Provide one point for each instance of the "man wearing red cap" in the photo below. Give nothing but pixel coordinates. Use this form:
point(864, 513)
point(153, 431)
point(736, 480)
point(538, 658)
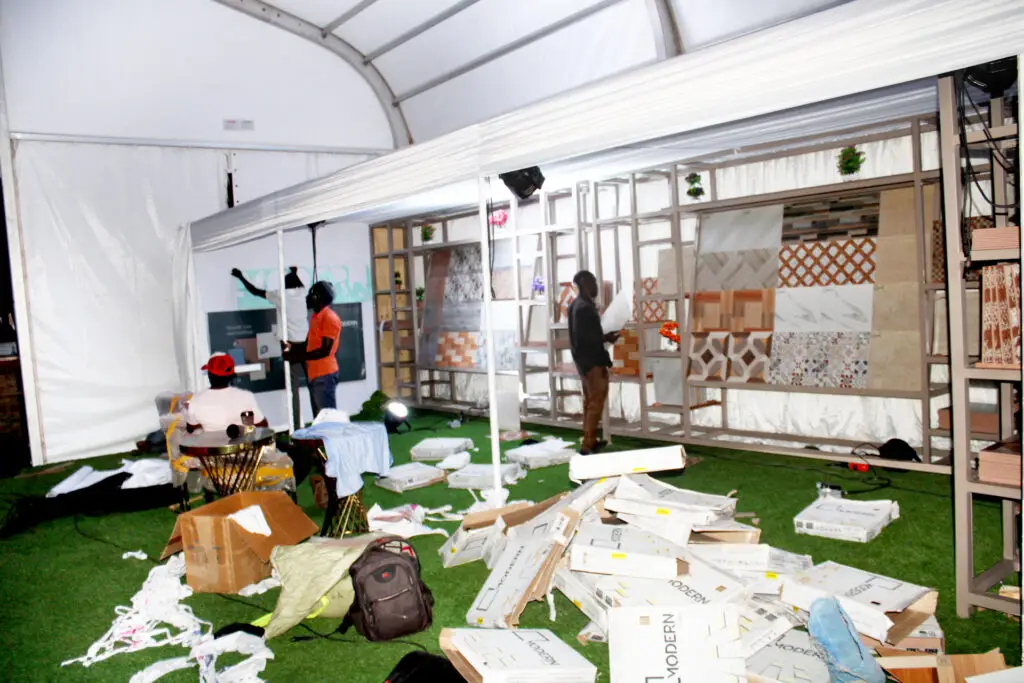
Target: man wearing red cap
point(222, 405)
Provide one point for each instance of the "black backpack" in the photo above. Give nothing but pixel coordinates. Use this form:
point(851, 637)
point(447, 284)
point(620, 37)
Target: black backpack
point(421, 667)
point(391, 600)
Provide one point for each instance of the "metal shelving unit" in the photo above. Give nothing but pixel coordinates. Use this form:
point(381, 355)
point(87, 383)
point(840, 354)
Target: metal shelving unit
point(586, 219)
point(974, 589)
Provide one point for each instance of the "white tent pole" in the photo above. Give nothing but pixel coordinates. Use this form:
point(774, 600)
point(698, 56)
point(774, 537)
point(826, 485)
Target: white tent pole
point(492, 373)
point(282, 329)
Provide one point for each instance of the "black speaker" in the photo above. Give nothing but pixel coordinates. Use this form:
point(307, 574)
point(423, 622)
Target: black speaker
point(898, 449)
point(523, 183)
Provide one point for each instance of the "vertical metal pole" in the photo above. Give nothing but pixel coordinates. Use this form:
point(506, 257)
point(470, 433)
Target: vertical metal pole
point(922, 277)
point(959, 383)
point(517, 298)
point(410, 276)
point(634, 229)
point(492, 376)
point(282, 329)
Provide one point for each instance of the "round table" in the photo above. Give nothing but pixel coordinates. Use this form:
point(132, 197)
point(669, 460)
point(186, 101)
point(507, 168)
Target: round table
point(230, 464)
point(343, 516)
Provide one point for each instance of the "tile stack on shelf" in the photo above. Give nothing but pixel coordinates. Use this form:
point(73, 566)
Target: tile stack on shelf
point(992, 137)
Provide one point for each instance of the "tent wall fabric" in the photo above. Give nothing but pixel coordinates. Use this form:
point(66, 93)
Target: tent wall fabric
point(855, 47)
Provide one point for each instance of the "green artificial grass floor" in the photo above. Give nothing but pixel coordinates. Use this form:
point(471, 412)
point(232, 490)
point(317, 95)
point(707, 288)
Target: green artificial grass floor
point(59, 588)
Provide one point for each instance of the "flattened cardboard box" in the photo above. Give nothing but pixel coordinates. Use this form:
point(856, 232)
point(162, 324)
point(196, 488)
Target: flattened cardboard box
point(927, 638)
point(470, 541)
point(792, 658)
point(627, 462)
point(675, 644)
point(751, 557)
point(520, 656)
point(701, 584)
point(881, 608)
point(846, 520)
point(221, 556)
point(580, 590)
point(626, 551)
point(644, 488)
point(725, 531)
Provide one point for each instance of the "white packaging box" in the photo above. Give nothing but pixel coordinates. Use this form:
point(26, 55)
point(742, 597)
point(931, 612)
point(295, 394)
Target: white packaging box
point(592, 633)
point(881, 608)
point(928, 638)
point(467, 545)
point(724, 531)
point(439, 448)
point(512, 583)
point(672, 529)
point(478, 476)
point(768, 584)
point(701, 584)
point(793, 658)
point(643, 487)
point(413, 475)
point(579, 589)
point(846, 520)
point(762, 622)
point(624, 551)
point(520, 656)
point(626, 462)
point(672, 643)
point(481, 534)
point(751, 557)
point(546, 453)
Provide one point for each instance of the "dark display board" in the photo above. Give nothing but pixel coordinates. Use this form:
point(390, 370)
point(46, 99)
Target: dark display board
point(236, 333)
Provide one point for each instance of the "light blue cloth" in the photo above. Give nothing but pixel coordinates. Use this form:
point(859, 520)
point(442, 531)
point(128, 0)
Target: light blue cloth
point(353, 448)
point(848, 660)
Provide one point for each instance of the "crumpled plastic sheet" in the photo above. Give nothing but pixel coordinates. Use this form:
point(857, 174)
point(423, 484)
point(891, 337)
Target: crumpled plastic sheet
point(205, 655)
point(407, 520)
point(155, 618)
point(135, 555)
point(260, 587)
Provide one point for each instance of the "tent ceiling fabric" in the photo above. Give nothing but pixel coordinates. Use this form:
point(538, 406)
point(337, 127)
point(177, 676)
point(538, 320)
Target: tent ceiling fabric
point(857, 47)
point(451, 63)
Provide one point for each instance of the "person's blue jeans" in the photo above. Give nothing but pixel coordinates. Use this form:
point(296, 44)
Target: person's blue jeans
point(322, 392)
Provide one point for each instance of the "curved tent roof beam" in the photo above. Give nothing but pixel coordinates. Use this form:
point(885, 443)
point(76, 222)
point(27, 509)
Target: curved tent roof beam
point(357, 60)
point(666, 30)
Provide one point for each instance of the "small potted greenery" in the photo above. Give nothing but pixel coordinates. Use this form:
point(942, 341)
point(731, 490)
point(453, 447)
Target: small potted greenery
point(398, 280)
point(849, 162)
point(419, 294)
point(427, 233)
point(696, 191)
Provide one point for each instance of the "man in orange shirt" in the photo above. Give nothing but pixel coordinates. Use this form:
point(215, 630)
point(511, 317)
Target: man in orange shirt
point(320, 349)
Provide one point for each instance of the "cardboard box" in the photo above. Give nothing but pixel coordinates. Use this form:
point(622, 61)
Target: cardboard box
point(846, 520)
point(626, 462)
point(750, 557)
point(794, 657)
point(480, 531)
point(666, 643)
point(762, 622)
point(928, 638)
point(546, 453)
point(881, 608)
point(223, 557)
point(700, 584)
point(725, 531)
point(580, 589)
point(624, 551)
point(439, 448)
point(412, 475)
point(670, 528)
point(520, 656)
point(645, 488)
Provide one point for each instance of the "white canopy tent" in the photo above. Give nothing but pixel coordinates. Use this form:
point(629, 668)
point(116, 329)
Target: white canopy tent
point(857, 47)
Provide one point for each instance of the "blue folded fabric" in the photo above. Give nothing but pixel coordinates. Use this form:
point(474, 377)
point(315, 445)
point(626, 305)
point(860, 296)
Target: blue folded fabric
point(353, 448)
point(848, 660)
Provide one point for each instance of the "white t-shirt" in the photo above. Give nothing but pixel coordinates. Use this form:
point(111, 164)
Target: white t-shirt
point(298, 317)
point(215, 409)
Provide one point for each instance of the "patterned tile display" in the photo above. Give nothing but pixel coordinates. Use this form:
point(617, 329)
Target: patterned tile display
point(457, 350)
point(653, 311)
point(750, 269)
point(938, 248)
point(742, 230)
point(835, 360)
point(1000, 315)
point(749, 354)
point(739, 311)
point(824, 309)
point(465, 275)
point(708, 355)
point(832, 262)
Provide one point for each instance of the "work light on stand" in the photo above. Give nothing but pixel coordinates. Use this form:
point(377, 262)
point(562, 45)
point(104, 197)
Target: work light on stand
point(396, 414)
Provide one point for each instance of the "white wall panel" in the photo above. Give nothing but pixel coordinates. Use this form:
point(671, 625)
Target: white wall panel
point(702, 23)
point(606, 43)
point(99, 227)
point(175, 69)
point(385, 20)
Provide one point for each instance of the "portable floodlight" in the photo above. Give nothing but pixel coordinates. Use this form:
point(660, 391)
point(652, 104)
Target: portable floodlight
point(396, 414)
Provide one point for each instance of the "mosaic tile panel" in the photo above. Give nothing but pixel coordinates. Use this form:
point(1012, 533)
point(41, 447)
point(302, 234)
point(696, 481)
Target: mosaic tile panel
point(749, 355)
point(824, 309)
point(1000, 315)
point(739, 311)
point(831, 262)
point(457, 350)
point(653, 311)
point(626, 354)
point(834, 360)
point(751, 269)
point(708, 355)
point(465, 275)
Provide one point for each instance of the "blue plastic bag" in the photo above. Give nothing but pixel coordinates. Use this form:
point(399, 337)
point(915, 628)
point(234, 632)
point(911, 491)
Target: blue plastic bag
point(848, 660)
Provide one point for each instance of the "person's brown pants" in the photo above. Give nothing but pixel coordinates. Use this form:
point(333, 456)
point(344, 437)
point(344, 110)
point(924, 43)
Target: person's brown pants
point(595, 393)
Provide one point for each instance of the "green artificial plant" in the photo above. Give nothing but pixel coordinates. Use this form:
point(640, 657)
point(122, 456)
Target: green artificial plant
point(420, 291)
point(696, 191)
point(427, 232)
point(850, 160)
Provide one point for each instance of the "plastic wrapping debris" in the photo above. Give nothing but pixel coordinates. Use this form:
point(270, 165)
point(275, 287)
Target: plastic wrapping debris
point(134, 555)
point(545, 453)
point(482, 476)
point(411, 476)
point(455, 462)
point(439, 448)
point(405, 520)
point(260, 587)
